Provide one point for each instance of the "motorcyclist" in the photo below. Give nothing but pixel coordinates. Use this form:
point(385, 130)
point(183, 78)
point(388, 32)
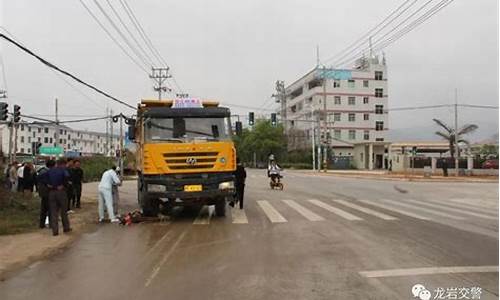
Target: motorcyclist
point(273, 171)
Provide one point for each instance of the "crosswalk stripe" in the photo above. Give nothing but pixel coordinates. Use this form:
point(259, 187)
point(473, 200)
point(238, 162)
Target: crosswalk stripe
point(426, 210)
point(480, 203)
point(467, 205)
point(399, 211)
point(204, 215)
point(335, 210)
point(311, 216)
point(239, 216)
point(452, 209)
point(366, 210)
point(272, 214)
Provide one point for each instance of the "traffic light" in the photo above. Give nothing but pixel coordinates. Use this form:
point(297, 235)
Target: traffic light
point(251, 119)
point(239, 128)
point(273, 119)
point(4, 110)
point(17, 113)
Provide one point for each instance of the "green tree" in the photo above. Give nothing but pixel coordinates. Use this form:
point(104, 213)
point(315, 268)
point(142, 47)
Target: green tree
point(262, 140)
point(450, 136)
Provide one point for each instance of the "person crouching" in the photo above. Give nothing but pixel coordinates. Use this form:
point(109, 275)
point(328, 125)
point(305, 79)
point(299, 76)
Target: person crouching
point(108, 179)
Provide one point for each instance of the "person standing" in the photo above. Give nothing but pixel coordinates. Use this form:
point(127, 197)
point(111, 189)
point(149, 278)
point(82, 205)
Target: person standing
point(28, 179)
point(57, 180)
point(13, 176)
point(43, 191)
point(69, 186)
point(240, 175)
point(20, 177)
point(105, 191)
point(77, 178)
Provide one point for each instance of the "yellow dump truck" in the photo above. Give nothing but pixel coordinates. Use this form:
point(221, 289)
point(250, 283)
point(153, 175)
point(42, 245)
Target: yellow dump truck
point(184, 156)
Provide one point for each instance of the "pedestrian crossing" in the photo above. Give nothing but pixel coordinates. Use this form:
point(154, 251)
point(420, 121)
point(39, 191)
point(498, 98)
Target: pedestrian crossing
point(352, 211)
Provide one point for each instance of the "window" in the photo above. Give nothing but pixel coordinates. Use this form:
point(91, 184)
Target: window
point(379, 109)
point(379, 139)
point(337, 100)
point(379, 93)
point(22, 129)
point(352, 117)
point(351, 100)
point(366, 135)
point(365, 83)
point(46, 140)
point(46, 130)
point(60, 131)
point(365, 100)
point(337, 133)
point(336, 83)
point(22, 150)
point(29, 139)
point(51, 140)
point(29, 150)
point(22, 140)
point(29, 129)
point(351, 83)
point(366, 117)
point(378, 75)
point(39, 130)
point(336, 117)
point(39, 139)
point(34, 134)
point(352, 134)
point(379, 125)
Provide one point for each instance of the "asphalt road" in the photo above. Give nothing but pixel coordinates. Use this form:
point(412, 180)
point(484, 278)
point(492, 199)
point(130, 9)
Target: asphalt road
point(323, 237)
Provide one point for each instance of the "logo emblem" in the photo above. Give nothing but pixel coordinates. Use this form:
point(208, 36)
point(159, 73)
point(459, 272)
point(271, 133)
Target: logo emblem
point(190, 160)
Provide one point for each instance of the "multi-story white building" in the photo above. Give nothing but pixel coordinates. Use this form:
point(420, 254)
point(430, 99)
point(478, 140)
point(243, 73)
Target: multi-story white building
point(85, 142)
point(356, 111)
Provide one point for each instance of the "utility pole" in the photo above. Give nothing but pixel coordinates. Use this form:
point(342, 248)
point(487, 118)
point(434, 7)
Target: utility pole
point(325, 124)
point(457, 150)
point(280, 97)
point(57, 124)
point(319, 142)
point(111, 136)
point(11, 133)
point(313, 131)
point(121, 146)
point(159, 75)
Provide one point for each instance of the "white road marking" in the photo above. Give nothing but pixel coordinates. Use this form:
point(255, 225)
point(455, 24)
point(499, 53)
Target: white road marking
point(239, 216)
point(272, 214)
point(204, 216)
point(167, 235)
point(335, 210)
point(469, 207)
point(399, 211)
point(311, 216)
point(458, 210)
point(427, 210)
point(366, 210)
point(429, 271)
point(157, 268)
point(483, 203)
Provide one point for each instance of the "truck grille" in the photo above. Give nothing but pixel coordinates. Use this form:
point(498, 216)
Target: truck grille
point(190, 160)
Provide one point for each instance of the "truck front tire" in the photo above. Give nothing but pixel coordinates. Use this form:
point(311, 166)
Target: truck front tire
point(150, 206)
point(220, 207)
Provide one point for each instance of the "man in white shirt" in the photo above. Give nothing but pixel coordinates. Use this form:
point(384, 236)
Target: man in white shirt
point(20, 177)
point(108, 179)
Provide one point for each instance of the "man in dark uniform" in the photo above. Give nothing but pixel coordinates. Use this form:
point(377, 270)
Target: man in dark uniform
point(70, 193)
point(43, 191)
point(58, 178)
point(240, 175)
point(76, 179)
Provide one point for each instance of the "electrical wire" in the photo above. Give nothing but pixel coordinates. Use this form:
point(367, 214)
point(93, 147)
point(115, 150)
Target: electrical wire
point(113, 38)
point(50, 65)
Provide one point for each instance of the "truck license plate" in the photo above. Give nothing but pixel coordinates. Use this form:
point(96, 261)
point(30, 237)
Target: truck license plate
point(193, 188)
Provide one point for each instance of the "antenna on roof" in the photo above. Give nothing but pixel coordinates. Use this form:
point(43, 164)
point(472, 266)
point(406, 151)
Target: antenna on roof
point(317, 56)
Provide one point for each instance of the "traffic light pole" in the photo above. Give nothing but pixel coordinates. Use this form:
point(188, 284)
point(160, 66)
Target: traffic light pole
point(11, 133)
point(121, 147)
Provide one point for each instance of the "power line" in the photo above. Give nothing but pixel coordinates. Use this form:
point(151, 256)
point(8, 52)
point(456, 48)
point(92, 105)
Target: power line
point(112, 37)
point(120, 33)
point(479, 106)
point(50, 65)
point(369, 33)
point(380, 44)
point(130, 33)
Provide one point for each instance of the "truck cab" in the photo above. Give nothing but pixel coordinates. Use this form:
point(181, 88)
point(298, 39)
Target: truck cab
point(184, 156)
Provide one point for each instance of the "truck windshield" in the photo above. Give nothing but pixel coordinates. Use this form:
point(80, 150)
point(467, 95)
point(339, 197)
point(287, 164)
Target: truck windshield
point(186, 129)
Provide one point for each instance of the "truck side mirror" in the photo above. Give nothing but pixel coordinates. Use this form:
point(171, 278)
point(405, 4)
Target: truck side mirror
point(131, 131)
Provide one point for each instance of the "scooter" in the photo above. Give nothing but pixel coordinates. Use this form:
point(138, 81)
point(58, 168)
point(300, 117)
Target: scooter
point(276, 182)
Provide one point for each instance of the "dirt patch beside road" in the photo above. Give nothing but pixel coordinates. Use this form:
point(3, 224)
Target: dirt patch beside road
point(21, 250)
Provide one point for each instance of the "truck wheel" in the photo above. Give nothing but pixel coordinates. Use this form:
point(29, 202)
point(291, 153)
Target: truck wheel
point(150, 207)
point(220, 207)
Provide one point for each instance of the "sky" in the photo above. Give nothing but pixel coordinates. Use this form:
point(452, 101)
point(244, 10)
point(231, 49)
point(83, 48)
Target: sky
point(234, 51)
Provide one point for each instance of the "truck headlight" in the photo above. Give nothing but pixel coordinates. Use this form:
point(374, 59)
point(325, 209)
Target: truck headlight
point(226, 185)
point(222, 160)
point(156, 188)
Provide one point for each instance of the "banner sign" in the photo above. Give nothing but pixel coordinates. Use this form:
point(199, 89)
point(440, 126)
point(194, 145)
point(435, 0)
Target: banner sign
point(334, 74)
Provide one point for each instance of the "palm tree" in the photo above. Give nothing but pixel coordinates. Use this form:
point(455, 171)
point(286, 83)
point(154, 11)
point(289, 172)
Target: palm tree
point(449, 134)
